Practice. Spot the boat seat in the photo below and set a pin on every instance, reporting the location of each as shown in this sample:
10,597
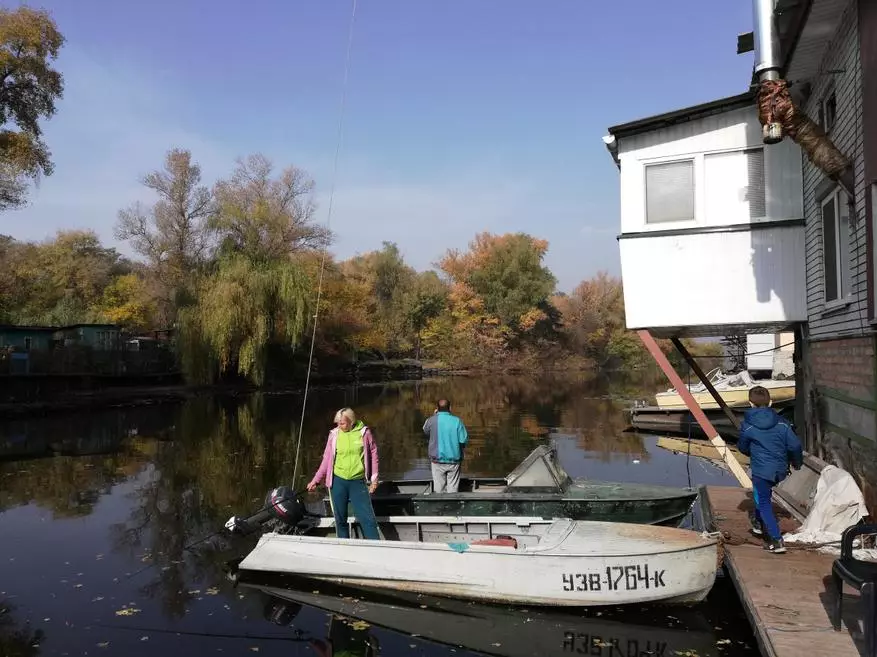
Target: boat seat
501,541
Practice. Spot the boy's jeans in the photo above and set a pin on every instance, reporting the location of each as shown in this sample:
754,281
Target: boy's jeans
762,490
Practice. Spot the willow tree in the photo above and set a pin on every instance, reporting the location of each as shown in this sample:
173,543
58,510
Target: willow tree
259,294
242,310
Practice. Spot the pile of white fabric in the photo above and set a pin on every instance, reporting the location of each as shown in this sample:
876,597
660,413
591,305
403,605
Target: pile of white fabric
838,504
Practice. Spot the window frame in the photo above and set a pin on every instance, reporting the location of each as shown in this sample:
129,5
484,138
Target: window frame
692,161
843,275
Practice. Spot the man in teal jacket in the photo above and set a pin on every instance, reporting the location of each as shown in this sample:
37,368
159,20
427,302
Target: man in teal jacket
447,436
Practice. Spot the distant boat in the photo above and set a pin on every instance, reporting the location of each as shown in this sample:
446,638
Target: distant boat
539,486
732,388
491,629
518,561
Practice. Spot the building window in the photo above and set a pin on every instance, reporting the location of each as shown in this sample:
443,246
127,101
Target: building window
828,112
734,187
670,192
27,343
836,247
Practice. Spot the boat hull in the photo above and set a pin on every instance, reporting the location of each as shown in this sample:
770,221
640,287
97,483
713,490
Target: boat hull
595,501
556,563
736,397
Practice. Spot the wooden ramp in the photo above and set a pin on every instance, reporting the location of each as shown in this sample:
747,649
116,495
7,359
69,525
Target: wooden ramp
787,597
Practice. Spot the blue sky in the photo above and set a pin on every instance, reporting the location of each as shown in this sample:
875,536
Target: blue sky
462,115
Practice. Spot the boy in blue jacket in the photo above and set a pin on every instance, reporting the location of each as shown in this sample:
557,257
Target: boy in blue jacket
772,446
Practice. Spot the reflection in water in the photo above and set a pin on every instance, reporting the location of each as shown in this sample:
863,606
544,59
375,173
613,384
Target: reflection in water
16,640
102,513
490,629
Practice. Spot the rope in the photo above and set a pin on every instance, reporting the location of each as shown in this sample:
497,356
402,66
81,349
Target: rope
338,141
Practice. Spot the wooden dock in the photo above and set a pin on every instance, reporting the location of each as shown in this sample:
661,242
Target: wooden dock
787,597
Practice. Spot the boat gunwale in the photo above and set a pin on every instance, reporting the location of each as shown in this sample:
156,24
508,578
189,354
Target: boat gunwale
700,541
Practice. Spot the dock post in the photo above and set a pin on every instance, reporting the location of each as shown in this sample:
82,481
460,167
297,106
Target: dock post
694,365
727,456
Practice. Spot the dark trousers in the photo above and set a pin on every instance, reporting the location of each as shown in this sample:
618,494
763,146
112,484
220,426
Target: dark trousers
355,492
762,489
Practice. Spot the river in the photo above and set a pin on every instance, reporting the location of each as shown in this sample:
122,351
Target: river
99,511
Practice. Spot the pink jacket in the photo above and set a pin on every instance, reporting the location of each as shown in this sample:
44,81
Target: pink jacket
370,456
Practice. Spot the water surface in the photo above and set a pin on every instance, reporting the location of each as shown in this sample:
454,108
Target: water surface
101,514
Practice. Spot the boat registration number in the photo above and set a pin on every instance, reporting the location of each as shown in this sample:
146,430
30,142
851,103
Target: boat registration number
615,578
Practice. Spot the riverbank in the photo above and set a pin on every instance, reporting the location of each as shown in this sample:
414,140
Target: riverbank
30,396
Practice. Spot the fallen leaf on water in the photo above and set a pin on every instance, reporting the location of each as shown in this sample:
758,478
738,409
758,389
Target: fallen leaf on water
496,645
194,591
127,611
211,591
78,586
255,648
46,620
723,642
359,625
103,645
423,606
98,598
144,638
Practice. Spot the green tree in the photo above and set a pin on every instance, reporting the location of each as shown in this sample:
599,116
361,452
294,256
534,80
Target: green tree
29,89
242,309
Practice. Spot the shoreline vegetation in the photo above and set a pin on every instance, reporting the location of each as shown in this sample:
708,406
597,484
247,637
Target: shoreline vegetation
230,274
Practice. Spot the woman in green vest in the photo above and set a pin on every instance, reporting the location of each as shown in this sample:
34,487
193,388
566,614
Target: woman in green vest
350,470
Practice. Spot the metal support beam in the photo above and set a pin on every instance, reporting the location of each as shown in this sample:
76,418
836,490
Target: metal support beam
727,456
695,366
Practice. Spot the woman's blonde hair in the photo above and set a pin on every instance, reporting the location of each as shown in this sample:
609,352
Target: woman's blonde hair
348,413
337,416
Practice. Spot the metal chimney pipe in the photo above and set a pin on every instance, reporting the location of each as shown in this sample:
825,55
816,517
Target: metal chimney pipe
767,57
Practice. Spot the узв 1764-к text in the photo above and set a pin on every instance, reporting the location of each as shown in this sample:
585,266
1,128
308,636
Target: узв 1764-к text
615,578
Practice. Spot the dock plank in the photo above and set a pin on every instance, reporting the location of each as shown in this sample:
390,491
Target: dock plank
787,597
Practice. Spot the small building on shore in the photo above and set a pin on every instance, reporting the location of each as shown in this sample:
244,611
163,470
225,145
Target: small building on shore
25,338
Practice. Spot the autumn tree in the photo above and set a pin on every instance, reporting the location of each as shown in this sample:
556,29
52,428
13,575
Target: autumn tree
58,281
126,301
265,217
29,88
593,321
498,296
506,271
173,234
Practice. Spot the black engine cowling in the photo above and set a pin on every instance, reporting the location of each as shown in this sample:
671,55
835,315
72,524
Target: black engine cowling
283,506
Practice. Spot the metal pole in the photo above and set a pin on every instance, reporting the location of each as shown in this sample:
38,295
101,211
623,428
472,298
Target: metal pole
693,364
726,454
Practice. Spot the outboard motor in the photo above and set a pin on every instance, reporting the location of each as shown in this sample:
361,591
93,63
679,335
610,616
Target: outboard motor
283,507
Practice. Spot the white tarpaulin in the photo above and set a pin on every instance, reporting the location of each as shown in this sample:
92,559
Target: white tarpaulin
838,504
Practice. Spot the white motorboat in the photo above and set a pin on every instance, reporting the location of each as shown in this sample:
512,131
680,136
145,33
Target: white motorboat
532,561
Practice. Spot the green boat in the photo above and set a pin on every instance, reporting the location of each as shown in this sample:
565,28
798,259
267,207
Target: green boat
539,487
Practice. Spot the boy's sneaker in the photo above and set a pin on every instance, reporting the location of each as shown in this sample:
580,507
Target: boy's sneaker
776,546
755,526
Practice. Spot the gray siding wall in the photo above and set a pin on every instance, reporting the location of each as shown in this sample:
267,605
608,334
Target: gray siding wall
840,71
